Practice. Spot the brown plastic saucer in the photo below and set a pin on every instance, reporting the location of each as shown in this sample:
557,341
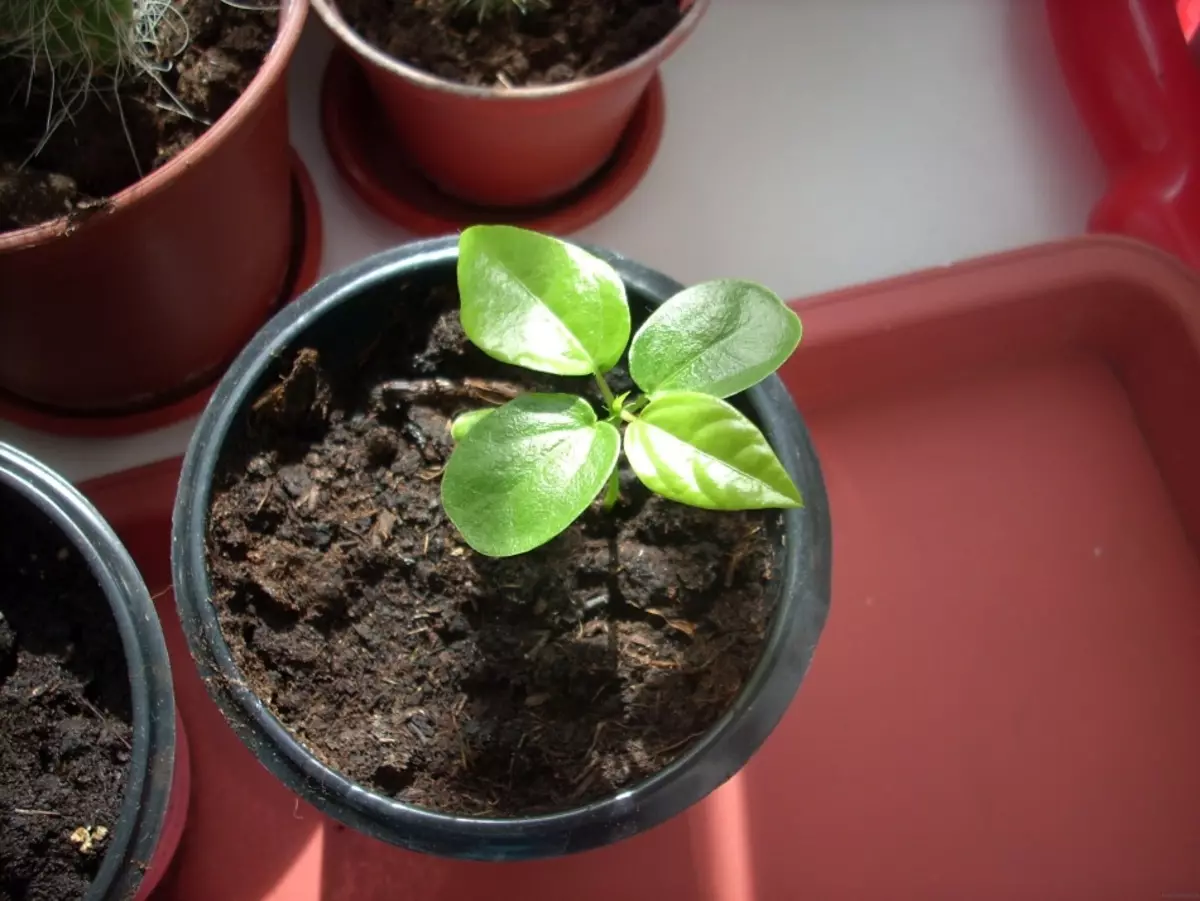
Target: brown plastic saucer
358,141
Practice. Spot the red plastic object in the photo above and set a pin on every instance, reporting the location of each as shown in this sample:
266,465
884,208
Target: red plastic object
518,147
1137,88
307,244
148,298
367,158
176,819
1189,16
1003,703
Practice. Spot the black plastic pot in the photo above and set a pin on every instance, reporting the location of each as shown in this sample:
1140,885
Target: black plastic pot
152,760
341,316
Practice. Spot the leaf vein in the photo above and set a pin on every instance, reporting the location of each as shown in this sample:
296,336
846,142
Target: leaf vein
729,332
709,456
513,278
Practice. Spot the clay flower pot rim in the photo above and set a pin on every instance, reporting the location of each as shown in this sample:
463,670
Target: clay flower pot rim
150,772
803,584
291,24
327,10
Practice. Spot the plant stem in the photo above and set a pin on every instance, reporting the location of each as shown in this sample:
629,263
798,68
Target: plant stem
606,391
613,491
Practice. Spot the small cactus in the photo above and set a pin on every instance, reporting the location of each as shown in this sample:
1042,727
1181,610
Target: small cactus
485,8
81,46
72,37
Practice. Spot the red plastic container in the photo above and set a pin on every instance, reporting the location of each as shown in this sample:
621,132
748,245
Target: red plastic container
1137,87
507,148
155,294
365,155
1003,704
304,266
1189,17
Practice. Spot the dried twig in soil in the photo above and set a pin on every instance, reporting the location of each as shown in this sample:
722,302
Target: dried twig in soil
405,392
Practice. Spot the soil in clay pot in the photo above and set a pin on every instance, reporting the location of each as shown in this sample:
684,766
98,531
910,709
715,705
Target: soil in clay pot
428,672
551,43
65,734
207,53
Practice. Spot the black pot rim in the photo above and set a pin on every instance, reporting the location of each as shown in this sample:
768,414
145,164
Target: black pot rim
152,759
801,613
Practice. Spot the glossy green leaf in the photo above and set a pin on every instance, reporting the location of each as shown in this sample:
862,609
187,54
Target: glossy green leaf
538,302
717,338
464,422
526,471
699,450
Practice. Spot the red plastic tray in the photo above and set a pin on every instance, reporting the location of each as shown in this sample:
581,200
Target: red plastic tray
1004,701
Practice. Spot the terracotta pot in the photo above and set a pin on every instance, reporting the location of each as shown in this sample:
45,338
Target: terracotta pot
507,148
157,292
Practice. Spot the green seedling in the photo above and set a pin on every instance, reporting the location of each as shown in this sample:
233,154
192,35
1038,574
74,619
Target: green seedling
521,473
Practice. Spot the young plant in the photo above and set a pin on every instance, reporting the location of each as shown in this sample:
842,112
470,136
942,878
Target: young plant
520,474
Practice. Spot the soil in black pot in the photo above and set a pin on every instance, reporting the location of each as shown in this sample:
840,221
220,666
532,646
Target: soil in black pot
433,674
208,53
65,734
551,43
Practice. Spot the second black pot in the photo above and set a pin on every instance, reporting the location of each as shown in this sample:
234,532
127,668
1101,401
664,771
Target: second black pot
150,773
342,315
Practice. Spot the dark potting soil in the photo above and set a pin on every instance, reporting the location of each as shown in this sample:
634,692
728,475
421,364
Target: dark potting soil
65,732
433,674
553,42
209,52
